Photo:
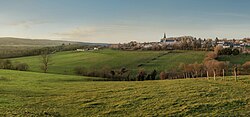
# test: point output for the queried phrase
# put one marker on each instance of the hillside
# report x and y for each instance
(37, 94)
(238, 59)
(9, 41)
(65, 62)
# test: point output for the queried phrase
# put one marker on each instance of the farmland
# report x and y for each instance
(65, 62)
(239, 59)
(38, 94)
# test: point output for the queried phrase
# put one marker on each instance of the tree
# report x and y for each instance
(217, 49)
(226, 51)
(216, 41)
(46, 60)
(163, 76)
(235, 52)
(21, 67)
(212, 55)
(141, 75)
(153, 75)
(246, 66)
(7, 64)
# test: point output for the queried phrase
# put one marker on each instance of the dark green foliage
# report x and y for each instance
(8, 64)
(79, 70)
(11, 52)
(226, 51)
(21, 67)
(153, 75)
(141, 75)
(229, 51)
(113, 75)
(236, 52)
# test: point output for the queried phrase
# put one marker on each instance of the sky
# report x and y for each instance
(119, 21)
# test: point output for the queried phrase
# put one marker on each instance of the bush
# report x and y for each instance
(141, 75)
(246, 66)
(217, 49)
(21, 67)
(163, 76)
(226, 51)
(79, 70)
(212, 55)
(6, 64)
(236, 52)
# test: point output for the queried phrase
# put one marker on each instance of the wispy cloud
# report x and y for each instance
(28, 23)
(78, 32)
(94, 33)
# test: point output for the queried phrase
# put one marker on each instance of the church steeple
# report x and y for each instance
(165, 36)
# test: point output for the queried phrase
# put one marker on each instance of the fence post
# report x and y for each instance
(223, 71)
(214, 73)
(207, 75)
(235, 73)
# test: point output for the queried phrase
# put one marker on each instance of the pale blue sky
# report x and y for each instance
(124, 20)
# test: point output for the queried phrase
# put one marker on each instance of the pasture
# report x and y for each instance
(38, 94)
(238, 59)
(65, 62)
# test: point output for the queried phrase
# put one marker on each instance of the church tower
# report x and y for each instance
(165, 36)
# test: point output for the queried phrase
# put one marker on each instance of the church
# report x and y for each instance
(168, 41)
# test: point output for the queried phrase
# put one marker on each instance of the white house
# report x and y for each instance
(80, 50)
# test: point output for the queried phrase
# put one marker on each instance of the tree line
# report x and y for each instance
(8, 64)
(12, 52)
(210, 67)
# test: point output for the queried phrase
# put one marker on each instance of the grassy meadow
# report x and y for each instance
(38, 94)
(238, 59)
(65, 62)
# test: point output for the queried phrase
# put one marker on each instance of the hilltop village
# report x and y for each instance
(186, 43)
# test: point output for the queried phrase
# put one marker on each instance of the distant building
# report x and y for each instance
(80, 50)
(168, 41)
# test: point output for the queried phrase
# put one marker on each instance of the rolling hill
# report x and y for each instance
(9, 41)
(65, 62)
(38, 94)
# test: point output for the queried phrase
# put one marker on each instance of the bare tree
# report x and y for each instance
(217, 49)
(46, 60)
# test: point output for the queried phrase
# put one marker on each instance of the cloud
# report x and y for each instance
(78, 32)
(102, 33)
(28, 23)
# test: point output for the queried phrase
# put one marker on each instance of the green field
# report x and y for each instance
(238, 59)
(65, 62)
(38, 94)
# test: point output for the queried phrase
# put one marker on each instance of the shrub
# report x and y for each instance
(163, 75)
(21, 67)
(217, 49)
(153, 75)
(79, 70)
(236, 52)
(226, 51)
(141, 75)
(246, 66)
(212, 55)
(6, 64)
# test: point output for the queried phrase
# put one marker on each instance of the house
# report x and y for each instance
(80, 50)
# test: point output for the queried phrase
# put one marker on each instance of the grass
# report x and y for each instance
(65, 62)
(38, 94)
(238, 59)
